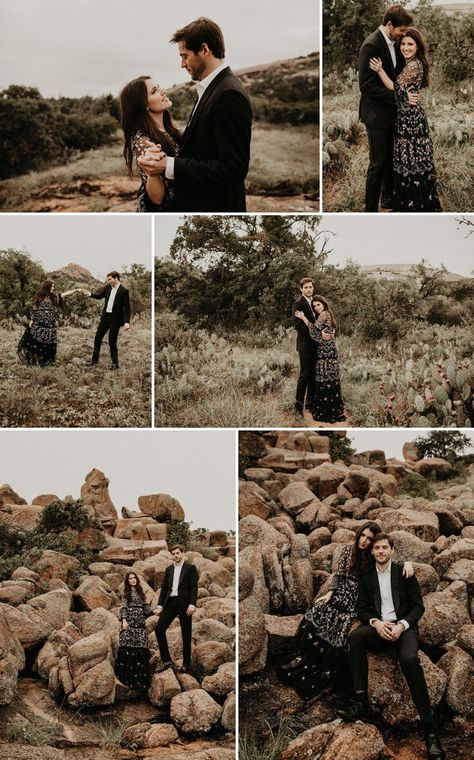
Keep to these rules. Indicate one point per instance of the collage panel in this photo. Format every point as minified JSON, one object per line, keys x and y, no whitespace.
{"x":355,"y":553}
{"x":397,"y":106}
{"x":122,"y":128}
{"x":332,"y":321}
{"x":75,"y":321}
{"x":117,"y":595}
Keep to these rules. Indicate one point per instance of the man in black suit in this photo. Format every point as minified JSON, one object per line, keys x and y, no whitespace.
{"x":178,"y":597}
{"x":389,"y":607}
{"x":377,"y":109}
{"x":307,"y":348}
{"x":115,"y":314}
{"x":213,"y":159}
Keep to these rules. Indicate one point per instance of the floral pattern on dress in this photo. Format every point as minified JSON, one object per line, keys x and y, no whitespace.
{"x":413,"y":162}
{"x":144,"y":202}
{"x":134,"y":611}
{"x":328,"y":405}
{"x":38,"y":344}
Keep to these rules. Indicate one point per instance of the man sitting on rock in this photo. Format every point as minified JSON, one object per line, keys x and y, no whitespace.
{"x":389,"y":607}
{"x":178,"y":597}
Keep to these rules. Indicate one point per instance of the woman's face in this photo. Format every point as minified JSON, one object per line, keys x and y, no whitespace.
{"x":158,"y":101}
{"x":132,"y":579}
{"x":408,"y":48}
{"x":365,"y":539}
{"x":318,"y":307}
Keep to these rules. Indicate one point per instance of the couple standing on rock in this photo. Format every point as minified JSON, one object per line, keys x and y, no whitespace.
{"x":385,"y":597}
{"x":178,"y":597}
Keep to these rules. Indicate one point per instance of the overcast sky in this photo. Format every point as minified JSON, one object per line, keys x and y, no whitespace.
{"x":196,"y":467}
{"x":92,"y":47}
{"x":97,"y":242}
{"x":378,"y":239}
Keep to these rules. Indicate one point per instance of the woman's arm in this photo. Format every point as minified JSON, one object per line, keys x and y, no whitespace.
{"x":154,"y":184}
{"x":376,"y":65}
{"x":301,"y":315}
{"x":69,"y":292}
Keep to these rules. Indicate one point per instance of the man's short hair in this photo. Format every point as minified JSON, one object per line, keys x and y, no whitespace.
{"x":383,"y":537}
{"x":114,"y":274}
{"x":304,"y":280}
{"x":201,"y":31}
{"x":398,"y":15}
{"x":177,"y":546}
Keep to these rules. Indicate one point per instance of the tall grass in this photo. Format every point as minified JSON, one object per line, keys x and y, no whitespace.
{"x":269,"y":747}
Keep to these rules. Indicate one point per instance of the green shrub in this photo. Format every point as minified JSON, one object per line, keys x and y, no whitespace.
{"x":179,"y":533}
{"x":417,"y":486}
{"x":445,"y":444}
{"x":340,"y":448}
{"x":59,"y":516}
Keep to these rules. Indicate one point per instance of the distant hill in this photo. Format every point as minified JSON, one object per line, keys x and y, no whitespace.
{"x":452,"y":8}
{"x":74,"y":275}
{"x":401,"y":272}
{"x":281,"y":92}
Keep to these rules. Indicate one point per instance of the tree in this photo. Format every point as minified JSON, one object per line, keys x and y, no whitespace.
{"x":138,"y":280}
{"x":388,"y":310}
{"x":446,"y":444}
{"x":431,"y":280}
{"x":20,"y":278}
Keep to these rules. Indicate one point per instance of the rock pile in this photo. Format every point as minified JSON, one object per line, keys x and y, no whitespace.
{"x":297,"y":510}
{"x":64,"y":624}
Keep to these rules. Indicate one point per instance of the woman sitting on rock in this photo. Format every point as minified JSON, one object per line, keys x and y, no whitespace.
{"x":132,"y":666}
{"x":319,"y":648}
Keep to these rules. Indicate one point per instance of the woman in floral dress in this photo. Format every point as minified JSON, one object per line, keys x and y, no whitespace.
{"x":146,"y":122}
{"x":38,"y":344}
{"x":328,"y":405}
{"x":319,"y":648}
{"x":414,"y":178}
{"x":132,"y":665}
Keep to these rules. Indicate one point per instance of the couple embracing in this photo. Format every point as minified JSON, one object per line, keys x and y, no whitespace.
{"x":368,"y":586}
{"x":318,"y":388}
{"x":202,"y":168}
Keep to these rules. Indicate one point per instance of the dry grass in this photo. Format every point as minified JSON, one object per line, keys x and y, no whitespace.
{"x":70,"y":394}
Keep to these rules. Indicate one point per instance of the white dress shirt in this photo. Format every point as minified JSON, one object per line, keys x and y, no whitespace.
{"x":110,"y":302}
{"x":176,"y":577}
{"x":388,"y":613}
{"x":201,"y":87}
{"x":391,"y":46}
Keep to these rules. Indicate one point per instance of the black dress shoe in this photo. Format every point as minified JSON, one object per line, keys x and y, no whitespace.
{"x":91,"y":364}
{"x":164,"y":666}
{"x":183,"y":669}
{"x":356,"y":711}
{"x":434,"y":750}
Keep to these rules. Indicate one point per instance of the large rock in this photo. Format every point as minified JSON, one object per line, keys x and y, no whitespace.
{"x":56,"y":647}
{"x":330,"y":476}
{"x":127,"y":551}
{"x":295,"y":497}
{"x":251,"y":445}
{"x":253,"y":640}
{"x":409,"y":548}
{"x":211,"y":630}
{"x":229,"y":713}
{"x":426,"y":576}
{"x":379,"y":482}
{"x":87,"y":653}
{"x":29,"y":628}
{"x":336,"y":741}
{"x":280,"y":631}
{"x":459,"y":667}
{"x":9,"y":496}
{"x":389,"y":692}
{"x":15,"y":592}
{"x":12,"y":660}
{"x":444,"y":615}
{"x":222,"y":682}
{"x":208,"y":655}
{"x":164,"y":686}
{"x":96,"y":687}
{"x":462,"y":570}
{"x":53,"y":607}
{"x":52,"y":564}
{"x":21,"y":516}
{"x":256,"y":532}
{"x":209,"y":571}
{"x":424,"y":525}
{"x":95,"y":496}
{"x":222,"y":610}
{"x":160,"y":735}
{"x":463,"y":549}
{"x":411,"y":452}
{"x":162,"y":507}
{"x":195,"y":712}
{"x":44,"y":499}
{"x":93,"y":592}
{"x":435,"y":467}
{"x":253,"y":500}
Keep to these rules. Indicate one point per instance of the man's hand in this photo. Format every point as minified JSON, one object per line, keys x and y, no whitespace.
{"x":324,"y":599}
{"x":413,"y":98}
{"x":384,"y":630}
{"x":124,"y":625}
{"x":397,"y":631}
{"x":126,"y":326}
{"x":327,"y":335}
{"x":191,"y":610}
{"x":153,"y":161}
{"x":157,"y":611}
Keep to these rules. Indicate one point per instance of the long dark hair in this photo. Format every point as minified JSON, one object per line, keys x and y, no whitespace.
{"x":45,"y":292}
{"x":134,"y":117}
{"x":138,"y":588}
{"x":421,"y":53}
{"x":362,"y":559}
{"x":327,"y":307}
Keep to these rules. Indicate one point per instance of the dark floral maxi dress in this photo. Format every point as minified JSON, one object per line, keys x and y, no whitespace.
{"x":414,"y":175}
{"x":39,"y":342}
{"x":320,"y":647}
{"x":144,"y":202}
{"x":132,"y":666}
{"x":328,"y":405}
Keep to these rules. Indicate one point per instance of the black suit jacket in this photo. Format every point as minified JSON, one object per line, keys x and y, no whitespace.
{"x":121,"y":307}
{"x":377,"y":107}
{"x":406,"y":597}
{"x":187,"y":587}
{"x":304,"y":341}
{"x":213,"y":160}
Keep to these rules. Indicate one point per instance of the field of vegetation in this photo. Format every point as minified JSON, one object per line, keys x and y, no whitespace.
{"x":447,"y":104}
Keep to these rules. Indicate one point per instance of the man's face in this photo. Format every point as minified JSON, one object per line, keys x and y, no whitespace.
{"x":382,"y":552}
{"x":112,"y":281}
{"x":177,"y":556}
{"x":308,"y":289}
{"x":194,"y":63}
{"x":396,"y":32}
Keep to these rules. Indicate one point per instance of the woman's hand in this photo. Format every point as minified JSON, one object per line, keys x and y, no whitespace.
{"x":301,"y":315}
{"x":324,"y":599}
{"x":408,"y":570}
{"x":376,"y":64}
{"x":30,"y":323}
{"x":124,"y":625}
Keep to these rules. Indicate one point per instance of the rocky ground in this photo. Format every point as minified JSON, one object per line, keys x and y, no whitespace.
{"x":59,"y":637}
{"x":297,"y":510}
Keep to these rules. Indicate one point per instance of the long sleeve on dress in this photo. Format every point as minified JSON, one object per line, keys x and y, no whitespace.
{"x":323,"y":323}
{"x":343,"y":567}
{"x":409,"y":80}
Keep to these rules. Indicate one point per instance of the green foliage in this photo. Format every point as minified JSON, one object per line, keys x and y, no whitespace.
{"x":20,"y":278}
{"x":388,"y":310}
{"x":446,"y":444}
{"x":340,"y":448}
{"x":137,"y":278}
{"x":59,"y":516}
{"x":179,"y":532}
{"x":346,"y":25}
{"x":35,"y":731}
{"x":267,"y":743}
{"x":417,"y":486}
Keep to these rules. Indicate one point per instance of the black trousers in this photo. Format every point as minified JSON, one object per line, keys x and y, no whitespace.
{"x":366,"y":639}
{"x":173,"y":609}
{"x":380,"y":171}
{"x":113,"y":328}
{"x":306,"y":379}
